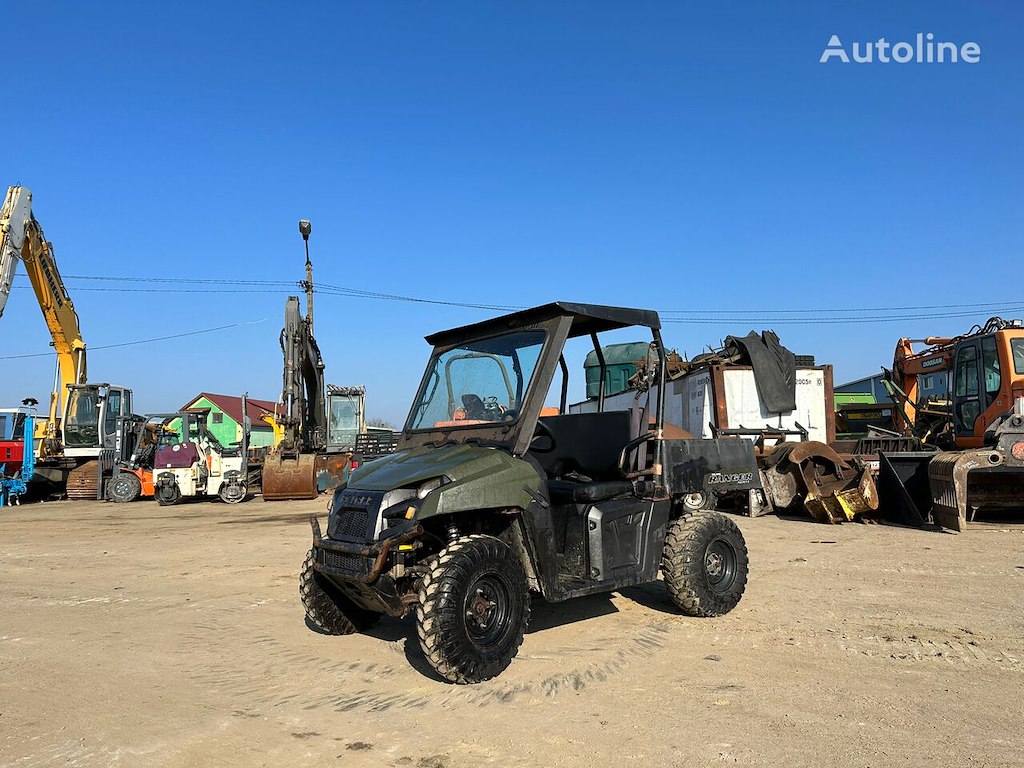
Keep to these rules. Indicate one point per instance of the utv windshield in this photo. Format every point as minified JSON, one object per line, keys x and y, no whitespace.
{"x":479,"y":382}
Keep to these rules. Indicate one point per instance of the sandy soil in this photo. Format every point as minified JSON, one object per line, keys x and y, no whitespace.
{"x":141,"y":635}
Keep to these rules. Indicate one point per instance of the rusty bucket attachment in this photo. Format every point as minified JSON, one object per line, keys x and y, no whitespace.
{"x":332,"y":470}
{"x":833,"y":490}
{"x":838,"y":500}
{"x":291,"y":477}
{"x":947,"y":476}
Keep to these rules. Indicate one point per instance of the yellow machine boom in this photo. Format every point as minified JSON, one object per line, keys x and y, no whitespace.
{"x":23,"y":239}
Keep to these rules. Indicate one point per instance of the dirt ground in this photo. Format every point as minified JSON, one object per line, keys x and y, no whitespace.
{"x":139,"y":635}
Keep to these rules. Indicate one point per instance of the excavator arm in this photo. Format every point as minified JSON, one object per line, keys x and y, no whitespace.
{"x":304,"y":420}
{"x":16,"y":212}
{"x":22,"y":238}
{"x":907,"y":367}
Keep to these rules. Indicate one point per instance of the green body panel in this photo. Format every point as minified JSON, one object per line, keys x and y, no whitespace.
{"x":854,"y":398}
{"x":481,"y":478}
{"x":228,"y":430}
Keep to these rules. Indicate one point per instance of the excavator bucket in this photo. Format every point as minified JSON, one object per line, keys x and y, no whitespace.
{"x":15,"y":212}
{"x":289,"y":477}
{"x":839,"y":501}
{"x":305,"y":476}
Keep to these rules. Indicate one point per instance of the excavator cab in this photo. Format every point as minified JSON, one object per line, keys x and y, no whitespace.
{"x":91,"y":418}
{"x":345,"y":417}
{"x":987,"y":376}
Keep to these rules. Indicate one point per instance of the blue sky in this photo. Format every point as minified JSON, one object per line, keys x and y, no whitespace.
{"x":679,"y":156}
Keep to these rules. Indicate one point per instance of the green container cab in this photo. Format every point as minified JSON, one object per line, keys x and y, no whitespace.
{"x":491,"y":498}
{"x":620,"y":365}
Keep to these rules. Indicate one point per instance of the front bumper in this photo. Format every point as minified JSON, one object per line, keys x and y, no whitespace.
{"x":352,"y":561}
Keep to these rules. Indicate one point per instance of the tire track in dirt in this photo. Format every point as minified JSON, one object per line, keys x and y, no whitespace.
{"x":260,"y":670}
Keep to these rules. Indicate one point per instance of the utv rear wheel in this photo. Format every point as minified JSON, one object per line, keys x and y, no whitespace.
{"x":124,"y":488}
{"x":327,"y":608}
{"x":473,"y":611}
{"x":704,"y":563}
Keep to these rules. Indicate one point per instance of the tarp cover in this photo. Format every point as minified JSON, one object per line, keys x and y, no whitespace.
{"x":774,"y":369}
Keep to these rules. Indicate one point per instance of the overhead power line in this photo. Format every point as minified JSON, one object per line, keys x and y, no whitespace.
{"x":141,"y":341}
{"x":829,"y":320}
{"x":716,"y":316}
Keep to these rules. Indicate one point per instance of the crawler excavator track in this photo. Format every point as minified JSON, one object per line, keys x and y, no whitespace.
{"x":84,"y":481}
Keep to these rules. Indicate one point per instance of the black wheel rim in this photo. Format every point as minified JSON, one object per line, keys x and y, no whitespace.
{"x":487,"y":610}
{"x":720,"y":565}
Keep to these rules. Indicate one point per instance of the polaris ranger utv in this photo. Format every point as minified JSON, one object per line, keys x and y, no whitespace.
{"x":492,"y":496}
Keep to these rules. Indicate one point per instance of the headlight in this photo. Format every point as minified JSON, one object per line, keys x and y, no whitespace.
{"x":430,"y":485}
{"x":403,"y":503}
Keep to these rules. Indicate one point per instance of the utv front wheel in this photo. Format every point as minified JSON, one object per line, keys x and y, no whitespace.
{"x":694,"y":502}
{"x":474,"y":608}
{"x":327,"y":608}
{"x":704,"y":563}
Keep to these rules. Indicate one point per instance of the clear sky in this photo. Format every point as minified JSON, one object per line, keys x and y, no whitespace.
{"x":673,"y":155}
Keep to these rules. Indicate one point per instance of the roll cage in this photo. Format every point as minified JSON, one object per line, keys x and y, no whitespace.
{"x":559,"y":321}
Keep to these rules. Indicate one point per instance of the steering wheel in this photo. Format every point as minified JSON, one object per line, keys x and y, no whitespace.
{"x":543,"y":430}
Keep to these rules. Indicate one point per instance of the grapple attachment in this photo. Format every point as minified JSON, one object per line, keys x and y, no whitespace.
{"x":833,"y":489}
{"x":947,"y":476}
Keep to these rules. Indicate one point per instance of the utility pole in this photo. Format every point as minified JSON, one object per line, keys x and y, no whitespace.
{"x":304,"y":229}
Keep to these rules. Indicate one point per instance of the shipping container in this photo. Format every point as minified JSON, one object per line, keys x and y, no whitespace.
{"x":726,"y":396}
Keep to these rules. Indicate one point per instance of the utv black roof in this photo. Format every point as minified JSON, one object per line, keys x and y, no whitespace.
{"x":586,"y":319}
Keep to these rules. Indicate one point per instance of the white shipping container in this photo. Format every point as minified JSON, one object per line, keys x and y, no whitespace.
{"x":691,"y":404}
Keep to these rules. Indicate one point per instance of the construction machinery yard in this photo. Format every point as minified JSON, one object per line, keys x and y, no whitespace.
{"x":671,"y":531}
{"x":553,"y":559}
{"x":556,"y":385}
{"x":92,"y":445}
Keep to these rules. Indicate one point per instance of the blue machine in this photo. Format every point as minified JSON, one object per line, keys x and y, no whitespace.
{"x":14,"y":487}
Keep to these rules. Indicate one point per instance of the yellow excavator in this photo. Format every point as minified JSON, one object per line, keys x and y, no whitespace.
{"x":85,"y":421}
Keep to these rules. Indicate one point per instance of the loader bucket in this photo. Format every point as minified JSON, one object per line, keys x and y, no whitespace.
{"x":289,"y":477}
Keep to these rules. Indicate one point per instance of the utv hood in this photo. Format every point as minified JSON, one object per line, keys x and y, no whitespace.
{"x":416,"y":465}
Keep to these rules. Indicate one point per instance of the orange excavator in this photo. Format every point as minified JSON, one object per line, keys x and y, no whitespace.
{"x":985,"y":370}
{"x":971,"y":430}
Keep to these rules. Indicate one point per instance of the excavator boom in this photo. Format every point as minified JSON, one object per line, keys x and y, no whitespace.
{"x":23,"y":239}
